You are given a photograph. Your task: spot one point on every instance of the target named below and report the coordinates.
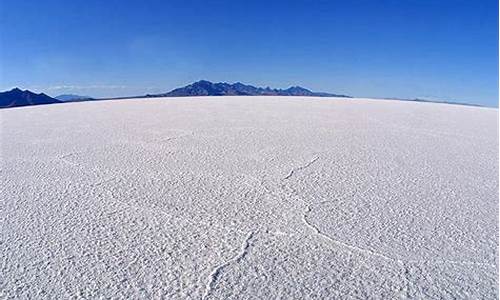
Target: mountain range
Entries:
(207, 88)
(17, 97)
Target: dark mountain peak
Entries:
(298, 90)
(202, 83)
(18, 97)
(239, 85)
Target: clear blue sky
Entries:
(406, 48)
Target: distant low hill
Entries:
(72, 98)
(17, 97)
(207, 88)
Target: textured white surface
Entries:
(249, 198)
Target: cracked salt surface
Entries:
(216, 272)
(300, 168)
(249, 198)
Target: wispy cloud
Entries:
(86, 87)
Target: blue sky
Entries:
(428, 49)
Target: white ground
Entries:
(249, 198)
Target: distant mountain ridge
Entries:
(17, 97)
(72, 98)
(207, 88)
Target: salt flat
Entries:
(249, 198)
